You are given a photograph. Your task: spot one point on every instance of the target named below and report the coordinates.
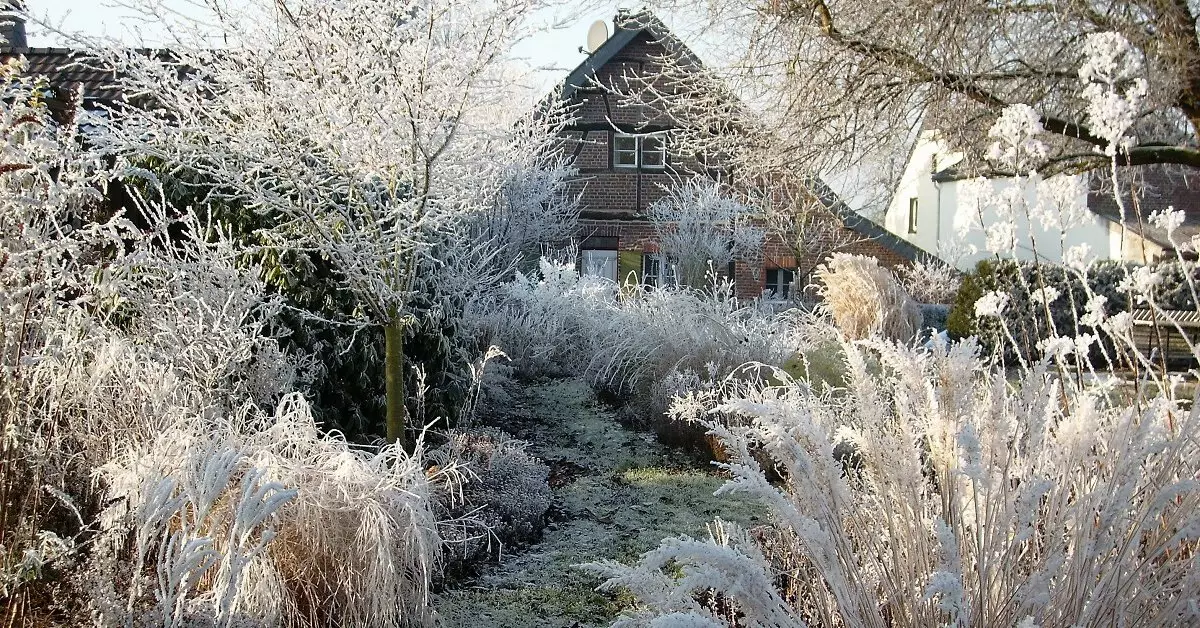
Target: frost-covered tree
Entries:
(371, 133)
(700, 226)
(159, 468)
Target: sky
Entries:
(552, 53)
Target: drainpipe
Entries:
(937, 186)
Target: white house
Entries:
(942, 212)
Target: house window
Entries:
(639, 151)
(599, 263)
(912, 215)
(625, 151)
(654, 152)
(658, 271)
(779, 283)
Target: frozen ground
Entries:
(617, 493)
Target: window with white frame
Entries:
(625, 151)
(658, 271)
(779, 283)
(600, 263)
(654, 152)
(640, 151)
(912, 215)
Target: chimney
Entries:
(12, 24)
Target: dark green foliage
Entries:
(1030, 322)
(346, 381)
(1027, 319)
(961, 321)
(934, 315)
(1174, 293)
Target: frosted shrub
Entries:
(158, 469)
(544, 322)
(967, 501)
(933, 487)
(865, 299)
(563, 322)
(260, 517)
(700, 225)
(49, 191)
(503, 497)
(654, 333)
(930, 282)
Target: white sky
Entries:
(555, 52)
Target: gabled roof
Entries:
(868, 228)
(1159, 187)
(628, 27)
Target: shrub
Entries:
(564, 323)
(960, 323)
(261, 518)
(1026, 318)
(159, 467)
(930, 281)
(865, 299)
(503, 497)
(935, 316)
(998, 504)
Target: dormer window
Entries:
(639, 151)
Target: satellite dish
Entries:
(597, 35)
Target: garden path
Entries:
(617, 493)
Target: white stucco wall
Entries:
(954, 217)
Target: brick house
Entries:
(621, 150)
(64, 70)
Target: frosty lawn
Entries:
(630, 493)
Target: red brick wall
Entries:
(614, 200)
(749, 275)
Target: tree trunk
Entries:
(393, 335)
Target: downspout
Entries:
(937, 185)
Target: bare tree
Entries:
(838, 80)
(700, 226)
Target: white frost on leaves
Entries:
(1095, 314)
(991, 304)
(1141, 282)
(1001, 236)
(1078, 257)
(1119, 324)
(938, 474)
(1045, 295)
(1017, 146)
(1169, 219)
(1056, 346)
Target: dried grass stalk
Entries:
(865, 299)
